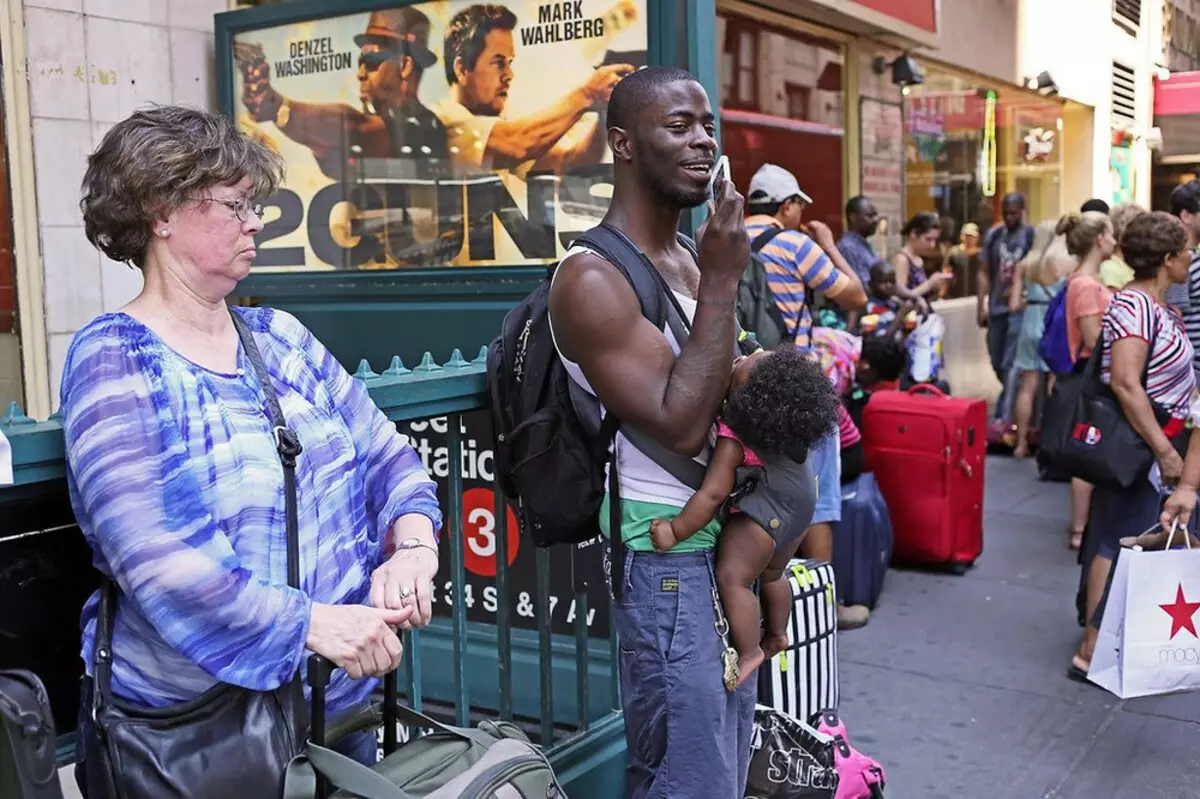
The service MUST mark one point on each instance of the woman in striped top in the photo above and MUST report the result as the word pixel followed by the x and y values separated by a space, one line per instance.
pixel 1141 335
pixel 172 467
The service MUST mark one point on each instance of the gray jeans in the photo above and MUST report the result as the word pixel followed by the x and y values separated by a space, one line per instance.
pixel 1003 332
pixel 686 736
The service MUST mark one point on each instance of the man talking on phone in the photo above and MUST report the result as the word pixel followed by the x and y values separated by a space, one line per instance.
pixel 686 735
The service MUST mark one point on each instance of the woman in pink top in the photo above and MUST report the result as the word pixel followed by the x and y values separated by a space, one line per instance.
pixel 1090 239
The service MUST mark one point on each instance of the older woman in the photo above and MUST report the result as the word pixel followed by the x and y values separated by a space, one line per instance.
pixel 1141 335
pixel 172 464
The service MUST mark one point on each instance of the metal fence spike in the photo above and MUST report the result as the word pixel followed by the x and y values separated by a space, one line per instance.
pixel 427 364
pixel 15 416
pixel 456 360
pixel 481 358
pixel 397 368
pixel 364 370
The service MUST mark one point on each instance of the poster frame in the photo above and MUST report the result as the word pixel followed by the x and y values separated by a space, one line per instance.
pixel 660 18
pixel 862 102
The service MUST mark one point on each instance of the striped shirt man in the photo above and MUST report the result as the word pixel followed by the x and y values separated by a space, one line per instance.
pixel 795 265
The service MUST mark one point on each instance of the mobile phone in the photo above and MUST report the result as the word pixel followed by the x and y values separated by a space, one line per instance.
pixel 719 175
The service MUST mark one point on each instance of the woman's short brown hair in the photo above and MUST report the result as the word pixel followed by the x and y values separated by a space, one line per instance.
pixel 1151 239
pixel 152 162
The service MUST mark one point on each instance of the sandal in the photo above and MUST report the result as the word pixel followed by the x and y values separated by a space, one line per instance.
pixel 1077 672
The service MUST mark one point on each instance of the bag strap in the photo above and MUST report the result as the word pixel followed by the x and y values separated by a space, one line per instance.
pixel 1096 359
pixel 300 778
pixel 287 444
pixel 764 238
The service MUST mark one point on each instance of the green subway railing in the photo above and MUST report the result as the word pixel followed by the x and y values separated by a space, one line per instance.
pixel 448 665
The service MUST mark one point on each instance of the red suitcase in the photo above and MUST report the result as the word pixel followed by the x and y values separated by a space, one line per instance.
pixel 927 451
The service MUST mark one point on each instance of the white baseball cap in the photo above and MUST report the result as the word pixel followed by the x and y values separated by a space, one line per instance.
pixel 774 184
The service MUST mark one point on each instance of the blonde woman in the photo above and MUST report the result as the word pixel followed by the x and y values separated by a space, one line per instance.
pixel 1089 238
pixel 1038 277
pixel 1115 273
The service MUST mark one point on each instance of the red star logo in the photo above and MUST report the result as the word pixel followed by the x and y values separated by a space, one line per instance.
pixel 1181 612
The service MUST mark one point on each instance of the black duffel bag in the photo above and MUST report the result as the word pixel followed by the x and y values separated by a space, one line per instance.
pixel 1086 435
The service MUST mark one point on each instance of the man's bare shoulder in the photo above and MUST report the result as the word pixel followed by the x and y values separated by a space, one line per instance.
pixel 591 303
pixel 586 279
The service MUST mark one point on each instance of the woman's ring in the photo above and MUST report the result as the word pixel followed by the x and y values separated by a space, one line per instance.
pixel 406 593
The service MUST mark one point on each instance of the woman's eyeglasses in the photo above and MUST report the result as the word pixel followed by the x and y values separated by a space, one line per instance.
pixel 241 207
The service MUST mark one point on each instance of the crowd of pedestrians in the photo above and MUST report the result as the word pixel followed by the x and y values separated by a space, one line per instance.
pixel 200 512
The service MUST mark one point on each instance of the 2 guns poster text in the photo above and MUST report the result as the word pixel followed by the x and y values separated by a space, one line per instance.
pixel 442 133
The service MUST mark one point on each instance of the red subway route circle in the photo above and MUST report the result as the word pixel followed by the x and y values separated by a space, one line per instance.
pixel 479 532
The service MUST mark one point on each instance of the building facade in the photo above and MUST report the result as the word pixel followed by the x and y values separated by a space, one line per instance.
pixel 808 85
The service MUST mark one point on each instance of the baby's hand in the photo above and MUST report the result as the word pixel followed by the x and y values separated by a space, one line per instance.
pixel 662 535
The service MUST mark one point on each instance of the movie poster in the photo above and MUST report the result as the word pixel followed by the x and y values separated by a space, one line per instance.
pixel 444 133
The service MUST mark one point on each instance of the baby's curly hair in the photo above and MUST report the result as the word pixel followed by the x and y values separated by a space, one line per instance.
pixel 887 357
pixel 785 407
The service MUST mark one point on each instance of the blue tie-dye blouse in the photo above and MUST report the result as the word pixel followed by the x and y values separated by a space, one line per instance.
pixel 177 486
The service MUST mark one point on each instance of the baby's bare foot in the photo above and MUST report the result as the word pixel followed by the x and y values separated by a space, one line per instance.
pixel 748 663
pixel 772 645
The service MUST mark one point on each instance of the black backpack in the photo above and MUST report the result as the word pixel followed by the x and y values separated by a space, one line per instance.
pixel 551 446
pixel 757 311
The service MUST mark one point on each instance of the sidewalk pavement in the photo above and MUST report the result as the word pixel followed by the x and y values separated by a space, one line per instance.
pixel 958 685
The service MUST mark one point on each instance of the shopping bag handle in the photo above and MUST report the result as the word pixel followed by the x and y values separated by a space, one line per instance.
pixel 1175 525
pixel 926 388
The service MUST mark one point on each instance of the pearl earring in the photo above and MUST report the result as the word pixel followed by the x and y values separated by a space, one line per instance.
pixel 165 231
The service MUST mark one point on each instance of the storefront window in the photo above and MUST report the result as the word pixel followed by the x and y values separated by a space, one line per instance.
pixel 966 147
pixel 781 103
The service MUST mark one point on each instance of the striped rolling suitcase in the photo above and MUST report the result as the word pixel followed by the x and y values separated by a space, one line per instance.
pixel 803 679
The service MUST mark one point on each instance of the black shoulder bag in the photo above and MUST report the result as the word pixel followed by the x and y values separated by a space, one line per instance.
pixel 229 741
pixel 1085 432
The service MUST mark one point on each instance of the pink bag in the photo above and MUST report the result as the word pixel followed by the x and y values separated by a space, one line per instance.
pixel 859 776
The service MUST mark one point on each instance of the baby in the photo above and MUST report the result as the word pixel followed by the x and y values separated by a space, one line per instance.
pixel 780 404
pixel 886 315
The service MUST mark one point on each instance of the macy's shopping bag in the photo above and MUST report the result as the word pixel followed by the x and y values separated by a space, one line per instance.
pixel 1148 641
pixel 789 759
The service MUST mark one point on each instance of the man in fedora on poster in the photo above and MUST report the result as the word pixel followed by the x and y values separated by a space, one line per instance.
pixel 394 54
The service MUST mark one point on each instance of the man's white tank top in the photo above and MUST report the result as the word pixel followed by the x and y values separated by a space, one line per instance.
pixel 641 479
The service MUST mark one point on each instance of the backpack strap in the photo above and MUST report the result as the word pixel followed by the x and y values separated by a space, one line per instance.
pixel 764 238
pixel 616 248
pixel 744 344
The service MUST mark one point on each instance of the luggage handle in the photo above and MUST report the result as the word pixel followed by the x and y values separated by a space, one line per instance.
pixel 310 774
pixel 926 388
pixel 321 669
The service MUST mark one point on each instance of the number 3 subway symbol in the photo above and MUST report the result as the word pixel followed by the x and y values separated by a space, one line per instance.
pixel 479 532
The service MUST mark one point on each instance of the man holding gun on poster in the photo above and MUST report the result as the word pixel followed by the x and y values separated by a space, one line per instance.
pixel 393 136
pixel 392 123
pixel 478 56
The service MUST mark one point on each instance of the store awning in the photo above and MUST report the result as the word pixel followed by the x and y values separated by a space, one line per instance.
pixel 905 24
pixel 1177 115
